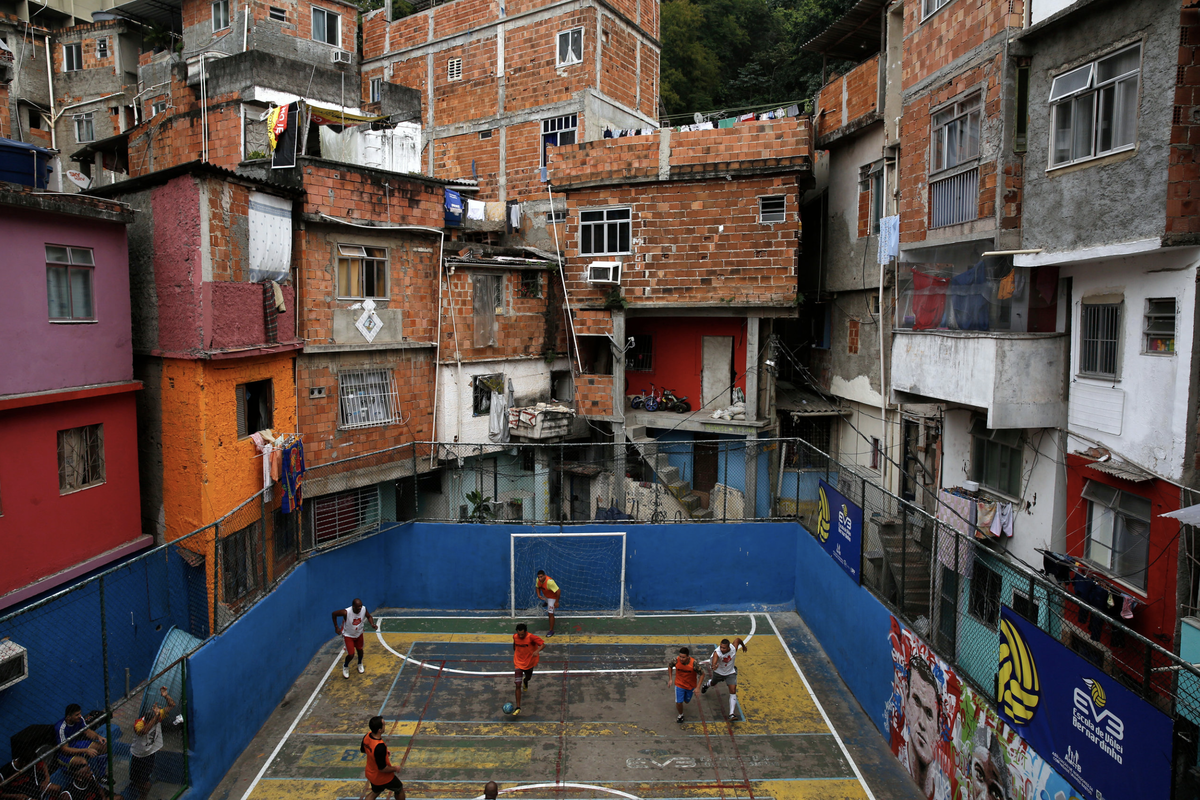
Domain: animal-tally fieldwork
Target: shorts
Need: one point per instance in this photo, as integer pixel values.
(141, 769)
(394, 784)
(551, 604)
(353, 643)
(522, 674)
(730, 679)
(683, 695)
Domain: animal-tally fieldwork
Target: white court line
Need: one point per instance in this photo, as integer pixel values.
(528, 787)
(577, 616)
(398, 654)
(821, 708)
(295, 722)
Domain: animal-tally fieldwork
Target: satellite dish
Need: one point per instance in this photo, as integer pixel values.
(698, 117)
(79, 179)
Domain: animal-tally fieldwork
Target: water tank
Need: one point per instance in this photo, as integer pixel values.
(26, 164)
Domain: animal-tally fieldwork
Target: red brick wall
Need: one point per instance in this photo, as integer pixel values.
(618, 67)
(357, 193)
(521, 329)
(650, 62)
(593, 322)
(1183, 171)
(6, 130)
(861, 87)
(593, 395)
(523, 157)
(474, 95)
(952, 32)
(455, 154)
(532, 77)
(696, 242)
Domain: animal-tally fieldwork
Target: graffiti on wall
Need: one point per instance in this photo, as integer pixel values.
(951, 741)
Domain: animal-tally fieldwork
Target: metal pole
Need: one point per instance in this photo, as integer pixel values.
(414, 479)
(903, 559)
(107, 701)
(183, 709)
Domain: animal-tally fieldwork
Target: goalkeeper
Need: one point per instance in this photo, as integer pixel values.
(548, 592)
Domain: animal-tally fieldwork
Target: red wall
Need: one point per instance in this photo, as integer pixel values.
(44, 532)
(1155, 619)
(678, 353)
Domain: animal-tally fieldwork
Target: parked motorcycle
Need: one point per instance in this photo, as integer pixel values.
(670, 402)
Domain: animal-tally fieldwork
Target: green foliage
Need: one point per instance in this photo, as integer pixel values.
(481, 507)
(741, 53)
(615, 299)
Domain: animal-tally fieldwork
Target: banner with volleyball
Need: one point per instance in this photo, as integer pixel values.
(1103, 738)
(839, 530)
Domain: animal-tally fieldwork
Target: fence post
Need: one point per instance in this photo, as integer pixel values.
(1147, 691)
(183, 710)
(413, 445)
(107, 692)
(903, 561)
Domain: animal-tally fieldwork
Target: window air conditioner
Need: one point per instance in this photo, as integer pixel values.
(341, 56)
(604, 272)
(14, 664)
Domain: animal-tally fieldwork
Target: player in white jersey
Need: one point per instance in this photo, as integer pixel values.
(724, 670)
(356, 618)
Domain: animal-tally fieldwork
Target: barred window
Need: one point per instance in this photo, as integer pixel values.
(345, 514)
(239, 563)
(1158, 330)
(985, 594)
(640, 357)
(814, 431)
(531, 283)
(362, 272)
(1099, 339)
(482, 387)
(80, 458)
(367, 398)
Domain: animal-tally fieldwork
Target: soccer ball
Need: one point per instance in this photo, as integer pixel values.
(508, 708)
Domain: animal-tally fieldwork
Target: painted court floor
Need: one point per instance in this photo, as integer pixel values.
(598, 720)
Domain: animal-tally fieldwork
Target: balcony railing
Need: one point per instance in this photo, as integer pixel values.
(954, 199)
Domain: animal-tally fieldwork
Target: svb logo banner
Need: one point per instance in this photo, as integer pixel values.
(1108, 742)
(839, 529)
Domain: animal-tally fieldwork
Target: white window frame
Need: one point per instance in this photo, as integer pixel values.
(376, 89)
(158, 107)
(931, 7)
(367, 399)
(1081, 87)
(1111, 510)
(326, 15)
(81, 458)
(950, 133)
(352, 253)
(73, 57)
(1154, 327)
(73, 261)
(574, 47)
(1101, 341)
(220, 15)
(772, 216)
(611, 221)
(102, 47)
(561, 128)
(454, 69)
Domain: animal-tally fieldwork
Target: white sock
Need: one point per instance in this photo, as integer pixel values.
(732, 703)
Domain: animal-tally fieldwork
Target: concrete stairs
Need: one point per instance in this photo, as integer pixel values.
(667, 475)
(907, 566)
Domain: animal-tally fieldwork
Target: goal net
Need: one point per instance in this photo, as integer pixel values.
(589, 569)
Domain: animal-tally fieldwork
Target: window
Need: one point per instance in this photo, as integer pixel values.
(485, 134)
(1158, 330)
(956, 134)
(482, 387)
(984, 604)
(376, 89)
(1118, 532)
(640, 357)
(73, 57)
(876, 185)
(102, 47)
(948, 609)
(278, 14)
(80, 458)
(454, 69)
(876, 453)
(555, 217)
(220, 15)
(815, 434)
(367, 398)
(606, 232)
(345, 514)
(558, 131)
(362, 272)
(570, 47)
(772, 209)
(531, 283)
(326, 27)
(1025, 607)
(930, 6)
(1099, 339)
(1021, 127)
(84, 130)
(996, 458)
(254, 405)
(158, 107)
(487, 303)
(239, 563)
(285, 530)
(69, 282)
(1093, 108)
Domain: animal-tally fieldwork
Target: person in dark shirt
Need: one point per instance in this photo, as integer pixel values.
(82, 784)
(18, 785)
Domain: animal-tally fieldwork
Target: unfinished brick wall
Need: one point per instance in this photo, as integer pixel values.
(6, 128)
(349, 192)
(521, 328)
(472, 96)
(165, 141)
(649, 79)
(1183, 170)
(469, 156)
(952, 32)
(618, 67)
(848, 98)
(593, 322)
(593, 395)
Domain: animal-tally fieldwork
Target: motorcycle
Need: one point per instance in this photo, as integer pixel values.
(670, 402)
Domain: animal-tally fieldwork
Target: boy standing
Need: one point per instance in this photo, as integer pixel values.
(356, 616)
(684, 673)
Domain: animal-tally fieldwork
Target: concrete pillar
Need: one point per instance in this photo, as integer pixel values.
(541, 484)
(749, 510)
(618, 426)
(752, 368)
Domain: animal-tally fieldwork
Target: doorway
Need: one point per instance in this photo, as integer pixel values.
(716, 371)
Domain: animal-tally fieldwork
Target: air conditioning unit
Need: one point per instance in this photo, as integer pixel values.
(14, 664)
(608, 272)
(341, 56)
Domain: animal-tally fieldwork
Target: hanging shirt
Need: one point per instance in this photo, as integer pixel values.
(293, 476)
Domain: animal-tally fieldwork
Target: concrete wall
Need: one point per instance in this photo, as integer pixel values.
(531, 385)
(1074, 207)
(54, 355)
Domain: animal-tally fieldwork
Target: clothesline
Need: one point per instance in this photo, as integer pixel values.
(283, 462)
(1090, 586)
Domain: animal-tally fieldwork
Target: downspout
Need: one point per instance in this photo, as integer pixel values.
(53, 116)
(246, 27)
(562, 274)
(437, 358)
(203, 111)
(882, 359)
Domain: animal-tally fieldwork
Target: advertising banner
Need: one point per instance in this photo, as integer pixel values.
(1103, 738)
(839, 530)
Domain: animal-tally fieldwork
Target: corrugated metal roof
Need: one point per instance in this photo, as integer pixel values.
(1123, 470)
(856, 36)
(803, 403)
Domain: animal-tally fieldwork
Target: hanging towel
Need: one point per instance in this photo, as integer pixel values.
(726, 123)
(267, 452)
(498, 419)
(985, 513)
(494, 212)
(793, 111)
(929, 300)
(475, 209)
(745, 117)
(1002, 523)
(276, 464)
(957, 512)
(293, 477)
(1127, 607)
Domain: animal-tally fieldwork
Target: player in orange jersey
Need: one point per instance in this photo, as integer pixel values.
(684, 673)
(526, 650)
(549, 593)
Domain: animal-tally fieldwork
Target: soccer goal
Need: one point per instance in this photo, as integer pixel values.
(589, 569)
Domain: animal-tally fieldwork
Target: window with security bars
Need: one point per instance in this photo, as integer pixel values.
(1158, 329)
(570, 47)
(240, 563)
(345, 514)
(1025, 607)
(102, 47)
(772, 209)
(531, 284)
(996, 458)
(984, 604)
(605, 232)
(814, 433)
(640, 357)
(367, 398)
(1099, 339)
(69, 282)
(255, 404)
(80, 458)
(558, 131)
(1118, 532)
(1093, 108)
(454, 69)
(362, 272)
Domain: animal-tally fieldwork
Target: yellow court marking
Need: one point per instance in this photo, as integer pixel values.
(831, 789)
(315, 790)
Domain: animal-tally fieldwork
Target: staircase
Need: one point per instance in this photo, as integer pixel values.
(906, 565)
(667, 475)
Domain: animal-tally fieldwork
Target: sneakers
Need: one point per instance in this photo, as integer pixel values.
(345, 671)
(704, 688)
(549, 634)
(516, 711)
(679, 718)
(360, 668)
(525, 684)
(733, 717)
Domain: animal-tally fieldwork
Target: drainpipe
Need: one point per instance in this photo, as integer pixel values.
(437, 358)
(882, 359)
(53, 116)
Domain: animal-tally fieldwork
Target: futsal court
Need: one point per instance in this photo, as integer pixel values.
(598, 719)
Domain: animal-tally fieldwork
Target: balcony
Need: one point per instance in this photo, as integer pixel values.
(1019, 378)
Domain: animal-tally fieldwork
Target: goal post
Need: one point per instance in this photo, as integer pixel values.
(589, 569)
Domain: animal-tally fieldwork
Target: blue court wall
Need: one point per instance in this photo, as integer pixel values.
(849, 622)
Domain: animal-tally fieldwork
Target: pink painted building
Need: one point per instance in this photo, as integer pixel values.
(69, 495)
